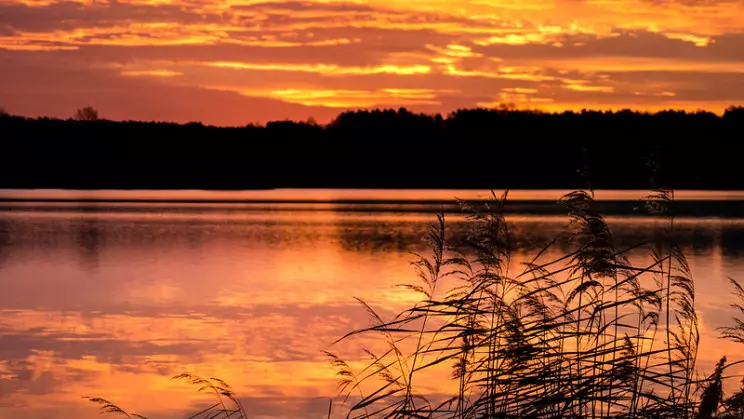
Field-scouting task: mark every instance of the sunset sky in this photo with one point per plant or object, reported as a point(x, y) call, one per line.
point(230, 62)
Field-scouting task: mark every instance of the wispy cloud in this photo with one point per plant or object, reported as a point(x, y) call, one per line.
point(154, 73)
point(328, 69)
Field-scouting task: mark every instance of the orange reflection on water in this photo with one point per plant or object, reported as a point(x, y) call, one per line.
point(113, 301)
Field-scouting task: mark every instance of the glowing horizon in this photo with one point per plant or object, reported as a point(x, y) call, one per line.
point(240, 61)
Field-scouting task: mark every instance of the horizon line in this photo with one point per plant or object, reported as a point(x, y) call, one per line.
point(310, 120)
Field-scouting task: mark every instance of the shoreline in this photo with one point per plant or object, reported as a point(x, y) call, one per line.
point(692, 208)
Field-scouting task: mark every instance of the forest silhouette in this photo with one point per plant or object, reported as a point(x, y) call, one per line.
point(470, 148)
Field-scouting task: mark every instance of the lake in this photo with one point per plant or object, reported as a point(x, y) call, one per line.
point(111, 299)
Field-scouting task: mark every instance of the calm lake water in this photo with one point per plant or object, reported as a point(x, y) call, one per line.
point(112, 299)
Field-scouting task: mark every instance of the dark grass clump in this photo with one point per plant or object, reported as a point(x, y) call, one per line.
point(588, 334)
point(226, 403)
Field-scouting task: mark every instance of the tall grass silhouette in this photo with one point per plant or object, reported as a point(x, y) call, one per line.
point(585, 335)
point(226, 403)
point(596, 332)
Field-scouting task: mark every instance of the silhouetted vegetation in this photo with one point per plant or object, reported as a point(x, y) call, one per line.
point(86, 114)
point(227, 404)
point(475, 148)
point(599, 332)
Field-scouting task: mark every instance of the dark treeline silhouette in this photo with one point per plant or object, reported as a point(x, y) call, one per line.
point(478, 148)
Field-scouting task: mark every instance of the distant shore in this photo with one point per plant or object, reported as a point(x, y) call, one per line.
point(699, 208)
point(468, 149)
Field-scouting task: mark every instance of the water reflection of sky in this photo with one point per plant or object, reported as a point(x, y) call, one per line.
point(113, 303)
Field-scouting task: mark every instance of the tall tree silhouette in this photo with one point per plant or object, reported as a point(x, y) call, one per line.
point(87, 113)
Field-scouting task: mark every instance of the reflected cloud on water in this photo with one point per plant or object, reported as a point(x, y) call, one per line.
point(112, 304)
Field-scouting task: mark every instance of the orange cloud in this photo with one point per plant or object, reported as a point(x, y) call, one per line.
point(328, 69)
point(338, 53)
point(348, 98)
point(154, 73)
point(584, 86)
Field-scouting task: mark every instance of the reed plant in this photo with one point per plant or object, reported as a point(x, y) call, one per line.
point(226, 403)
point(597, 332)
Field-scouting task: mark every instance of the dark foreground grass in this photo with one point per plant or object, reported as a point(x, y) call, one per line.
point(226, 402)
point(597, 332)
